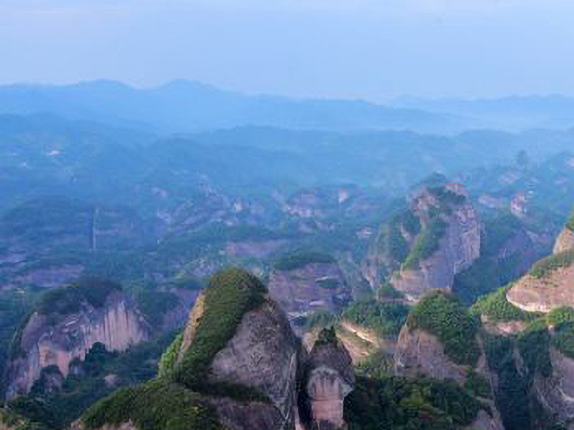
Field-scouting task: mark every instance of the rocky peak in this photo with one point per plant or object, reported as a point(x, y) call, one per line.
point(437, 239)
point(565, 240)
point(237, 365)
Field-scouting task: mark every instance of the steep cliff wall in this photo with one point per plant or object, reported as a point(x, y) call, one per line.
point(55, 336)
point(565, 241)
point(441, 340)
point(238, 360)
point(329, 380)
point(308, 287)
point(237, 366)
point(556, 393)
point(449, 242)
point(549, 285)
point(550, 282)
point(425, 247)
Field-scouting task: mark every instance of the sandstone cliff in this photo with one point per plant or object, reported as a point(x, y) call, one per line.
point(238, 366)
point(440, 340)
point(329, 380)
point(550, 283)
point(448, 243)
point(544, 291)
point(309, 285)
point(65, 326)
point(556, 393)
point(564, 242)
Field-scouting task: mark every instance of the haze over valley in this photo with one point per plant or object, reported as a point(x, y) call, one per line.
point(319, 216)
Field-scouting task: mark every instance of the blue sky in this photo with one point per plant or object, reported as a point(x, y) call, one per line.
point(327, 48)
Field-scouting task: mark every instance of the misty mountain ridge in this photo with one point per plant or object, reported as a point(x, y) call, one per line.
point(183, 106)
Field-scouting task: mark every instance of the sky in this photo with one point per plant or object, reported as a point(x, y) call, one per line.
point(370, 49)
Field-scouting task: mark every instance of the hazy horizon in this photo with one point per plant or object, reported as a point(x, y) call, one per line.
point(339, 49)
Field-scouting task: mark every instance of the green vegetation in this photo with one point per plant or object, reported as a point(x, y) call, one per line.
point(570, 223)
point(18, 423)
point(231, 293)
point(534, 347)
point(512, 395)
point(327, 336)
point(13, 309)
point(545, 267)
point(498, 231)
point(40, 221)
point(156, 405)
point(559, 316)
point(563, 339)
point(321, 319)
point(384, 318)
point(68, 300)
point(446, 196)
point(378, 364)
point(478, 385)
point(86, 384)
point(391, 240)
point(401, 404)
point(426, 243)
point(482, 277)
point(387, 292)
point(444, 316)
point(168, 359)
point(297, 259)
point(155, 304)
point(497, 308)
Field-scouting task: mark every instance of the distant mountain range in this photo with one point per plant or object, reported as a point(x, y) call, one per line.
point(187, 106)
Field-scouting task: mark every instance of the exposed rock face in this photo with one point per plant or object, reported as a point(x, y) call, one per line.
point(419, 353)
point(264, 355)
point(556, 393)
point(329, 381)
point(564, 242)
point(254, 379)
point(523, 248)
point(457, 248)
point(249, 416)
point(552, 287)
point(314, 286)
point(544, 294)
point(49, 341)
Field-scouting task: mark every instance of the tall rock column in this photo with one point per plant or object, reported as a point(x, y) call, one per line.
point(330, 380)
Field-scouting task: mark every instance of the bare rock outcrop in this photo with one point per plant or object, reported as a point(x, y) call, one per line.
point(550, 283)
point(556, 393)
point(564, 242)
point(263, 355)
point(426, 246)
point(422, 351)
point(329, 380)
point(449, 242)
point(240, 365)
point(544, 293)
point(309, 287)
point(56, 339)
